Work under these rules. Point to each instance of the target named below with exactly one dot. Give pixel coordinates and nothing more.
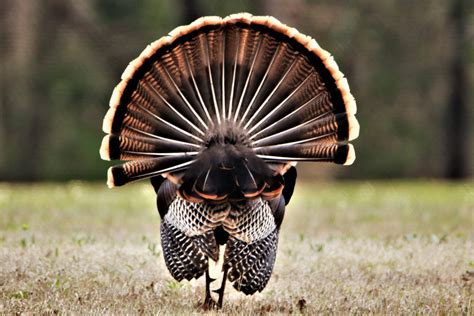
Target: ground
(346, 247)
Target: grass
(355, 247)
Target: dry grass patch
(344, 248)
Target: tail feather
(343, 125)
(229, 64)
(239, 82)
(283, 107)
(141, 117)
(214, 52)
(339, 154)
(268, 77)
(285, 76)
(297, 108)
(169, 136)
(145, 168)
(128, 148)
(199, 65)
(188, 83)
(180, 85)
(251, 47)
(170, 101)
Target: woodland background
(410, 65)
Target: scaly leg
(208, 301)
(221, 290)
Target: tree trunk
(18, 108)
(457, 111)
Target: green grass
(358, 247)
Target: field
(346, 247)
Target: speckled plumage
(187, 237)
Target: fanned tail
(224, 106)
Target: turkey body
(217, 114)
(193, 231)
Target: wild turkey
(217, 114)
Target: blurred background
(410, 65)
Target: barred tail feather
(145, 168)
(339, 154)
(128, 148)
(344, 126)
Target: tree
(457, 111)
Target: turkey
(217, 114)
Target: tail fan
(249, 82)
